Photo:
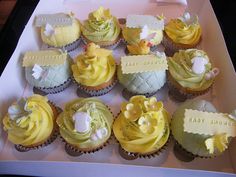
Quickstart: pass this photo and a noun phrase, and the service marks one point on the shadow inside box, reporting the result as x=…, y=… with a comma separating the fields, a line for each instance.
x=110, y=154
x=37, y=154
x=210, y=164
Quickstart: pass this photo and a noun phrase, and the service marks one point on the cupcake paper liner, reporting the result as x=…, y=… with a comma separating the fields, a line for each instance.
x=110, y=47
x=127, y=94
x=69, y=47
x=75, y=151
x=52, y=90
x=99, y=92
x=132, y=156
x=186, y=156
x=52, y=137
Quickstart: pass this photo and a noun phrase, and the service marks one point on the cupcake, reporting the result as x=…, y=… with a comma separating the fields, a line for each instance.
x=142, y=127
x=48, y=70
x=30, y=123
x=59, y=30
x=142, y=74
x=182, y=33
x=101, y=28
x=190, y=74
x=140, y=27
x=85, y=125
x=207, y=139
x=94, y=71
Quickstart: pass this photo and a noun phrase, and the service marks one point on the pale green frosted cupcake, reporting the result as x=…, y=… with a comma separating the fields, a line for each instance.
x=85, y=124
x=143, y=82
x=101, y=28
x=197, y=144
x=48, y=70
x=190, y=73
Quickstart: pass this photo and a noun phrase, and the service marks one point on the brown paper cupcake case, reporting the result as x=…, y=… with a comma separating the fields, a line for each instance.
x=110, y=47
x=52, y=90
x=74, y=151
x=99, y=92
x=52, y=137
x=132, y=156
x=69, y=47
x=186, y=156
x=179, y=95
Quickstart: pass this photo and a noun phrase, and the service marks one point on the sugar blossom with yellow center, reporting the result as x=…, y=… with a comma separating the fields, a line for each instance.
x=142, y=126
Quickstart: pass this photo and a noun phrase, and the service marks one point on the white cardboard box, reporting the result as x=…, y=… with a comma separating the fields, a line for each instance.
x=53, y=161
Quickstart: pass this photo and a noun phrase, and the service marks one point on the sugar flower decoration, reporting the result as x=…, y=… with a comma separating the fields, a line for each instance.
x=218, y=142
x=131, y=111
x=153, y=105
x=147, y=123
x=101, y=14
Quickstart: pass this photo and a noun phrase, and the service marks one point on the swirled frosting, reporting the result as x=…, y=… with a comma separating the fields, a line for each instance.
x=101, y=26
x=61, y=35
x=29, y=121
x=183, y=33
x=142, y=126
x=95, y=67
x=132, y=35
x=182, y=70
x=97, y=128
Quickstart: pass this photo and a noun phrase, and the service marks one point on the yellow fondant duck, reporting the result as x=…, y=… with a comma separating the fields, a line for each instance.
x=94, y=50
x=142, y=48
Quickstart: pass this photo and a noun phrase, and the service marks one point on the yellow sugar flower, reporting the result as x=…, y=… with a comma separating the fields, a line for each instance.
x=218, y=142
x=131, y=111
x=102, y=14
x=147, y=123
x=152, y=105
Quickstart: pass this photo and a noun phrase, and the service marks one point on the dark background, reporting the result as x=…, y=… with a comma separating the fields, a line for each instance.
x=10, y=33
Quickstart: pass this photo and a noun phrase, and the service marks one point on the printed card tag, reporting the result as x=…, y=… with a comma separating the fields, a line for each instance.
x=142, y=63
x=59, y=19
x=44, y=58
x=208, y=123
x=139, y=21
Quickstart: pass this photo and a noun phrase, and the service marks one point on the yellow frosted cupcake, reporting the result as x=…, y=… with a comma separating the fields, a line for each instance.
x=101, y=28
x=30, y=123
x=182, y=33
x=95, y=70
x=190, y=74
x=85, y=125
x=59, y=30
x=142, y=127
